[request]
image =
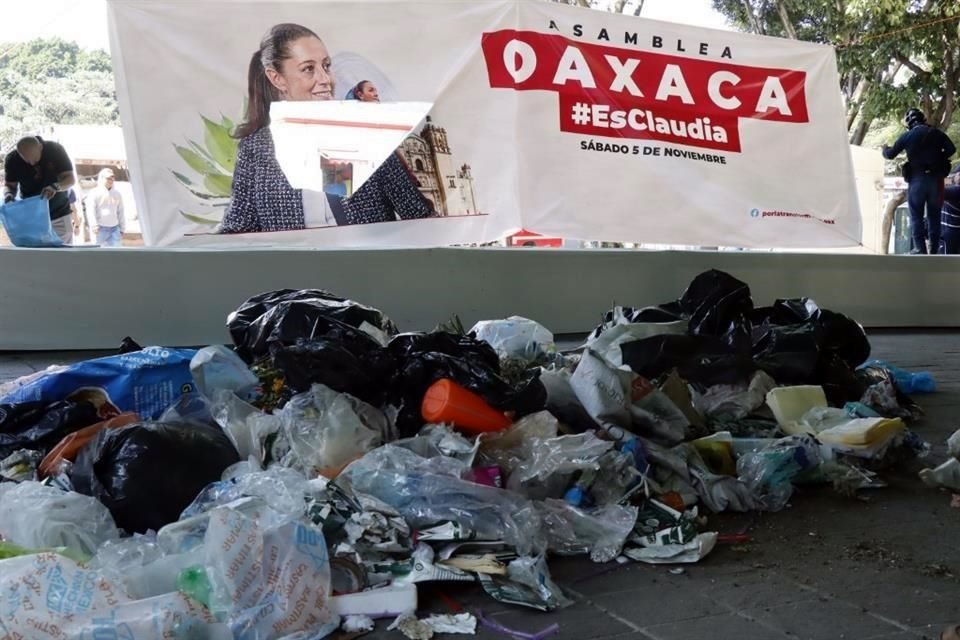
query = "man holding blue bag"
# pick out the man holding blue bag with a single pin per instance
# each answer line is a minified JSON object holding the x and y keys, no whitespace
{"x":40,"y":167}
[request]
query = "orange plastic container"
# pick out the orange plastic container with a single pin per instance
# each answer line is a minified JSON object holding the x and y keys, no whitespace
{"x":449,"y":403}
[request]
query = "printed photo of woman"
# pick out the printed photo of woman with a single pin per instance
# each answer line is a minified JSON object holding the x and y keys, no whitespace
{"x":365,"y":91}
{"x":293,"y":63}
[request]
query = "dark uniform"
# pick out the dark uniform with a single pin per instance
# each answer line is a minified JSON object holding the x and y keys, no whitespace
{"x":928,"y":156}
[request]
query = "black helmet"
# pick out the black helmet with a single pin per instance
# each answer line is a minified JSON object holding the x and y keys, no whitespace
{"x":914,"y":117}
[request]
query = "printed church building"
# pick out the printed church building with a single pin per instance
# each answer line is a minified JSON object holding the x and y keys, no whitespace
{"x":447,"y":186}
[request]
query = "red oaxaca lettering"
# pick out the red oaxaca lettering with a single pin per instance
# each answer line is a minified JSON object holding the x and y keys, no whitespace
{"x":527,"y":60}
{"x":644,"y":94}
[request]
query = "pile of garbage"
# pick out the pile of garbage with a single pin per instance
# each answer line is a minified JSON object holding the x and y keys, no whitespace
{"x":312,"y":475}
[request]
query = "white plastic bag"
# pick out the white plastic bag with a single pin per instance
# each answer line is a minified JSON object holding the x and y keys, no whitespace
{"x":269,"y":574}
{"x":36,"y":516}
{"x":515,"y":337}
{"x":605,"y":392}
{"x":218,"y":367}
{"x":621,"y":330}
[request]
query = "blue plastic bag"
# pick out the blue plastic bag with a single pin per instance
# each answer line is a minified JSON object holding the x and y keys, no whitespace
{"x":146,"y":382}
{"x":907,"y":382}
{"x":27,"y":223}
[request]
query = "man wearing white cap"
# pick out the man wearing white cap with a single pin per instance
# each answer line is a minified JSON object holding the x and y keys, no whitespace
{"x":104,"y":211}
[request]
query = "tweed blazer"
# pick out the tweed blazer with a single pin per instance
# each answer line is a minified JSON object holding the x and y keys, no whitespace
{"x":263,"y":199}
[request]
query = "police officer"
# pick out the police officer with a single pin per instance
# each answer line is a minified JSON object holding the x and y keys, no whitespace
{"x":950,"y":216}
{"x":928,"y":163}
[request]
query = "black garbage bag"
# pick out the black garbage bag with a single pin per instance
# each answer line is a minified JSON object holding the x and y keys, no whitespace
{"x":39,"y":426}
{"x":797,"y":342}
{"x":717,"y":304}
{"x":346,"y":360}
{"x":422,"y":359}
{"x":148,"y":473}
{"x":461,"y":346}
{"x":129,"y":345}
{"x":789,"y":353}
{"x":833,"y":332}
{"x":706,"y":360}
{"x":288,"y":315}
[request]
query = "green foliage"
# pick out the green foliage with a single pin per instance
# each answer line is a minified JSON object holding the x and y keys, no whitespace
{"x":891,"y":54}
{"x":50,"y":81}
{"x":213,"y":163}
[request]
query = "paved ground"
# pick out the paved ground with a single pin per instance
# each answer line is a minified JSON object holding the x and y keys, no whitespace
{"x":884,"y":567}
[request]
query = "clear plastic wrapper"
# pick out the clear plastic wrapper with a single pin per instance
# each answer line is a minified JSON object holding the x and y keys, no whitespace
{"x":683,"y":470}
{"x":538,"y":463}
{"x":285,"y":490}
{"x":247,"y":427}
{"x":426,"y":493}
{"x":40,"y":517}
{"x":770,"y":471}
{"x":528,"y":584}
{"x":439,"y":440}
{"x":140,"y":567}
{"x":734,"y":401}
{"x":326,"y":429}
{"x":515,"y":337}
{"x":601,"y":532}
{"x":549,"y":464}
{"x":50,"y":597}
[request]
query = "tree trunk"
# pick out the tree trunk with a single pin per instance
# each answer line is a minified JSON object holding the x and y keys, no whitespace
{"x":785,"y":19}
{"x":856,"y":100}
{"x":754,"y":23}
{"x":887,"y":221}
{"x":860,"y":132}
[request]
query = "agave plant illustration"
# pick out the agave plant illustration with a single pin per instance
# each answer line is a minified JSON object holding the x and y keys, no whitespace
{"x":213,"y":163}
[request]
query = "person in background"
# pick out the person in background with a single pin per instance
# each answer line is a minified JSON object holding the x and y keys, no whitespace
{"x":950,"y":214}
{"x":928,"y":163}
{"x":76,"y":216}
{"x":104,"y":211}
{"x":39,"y":167}
{"x":365,"y":91}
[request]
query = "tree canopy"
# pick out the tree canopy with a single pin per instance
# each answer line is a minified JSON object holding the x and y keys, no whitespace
{"x":891,"y":54}
{"x":51,"y":81}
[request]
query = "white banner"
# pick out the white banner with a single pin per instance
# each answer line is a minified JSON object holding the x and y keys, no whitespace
{"x":561,"y":121}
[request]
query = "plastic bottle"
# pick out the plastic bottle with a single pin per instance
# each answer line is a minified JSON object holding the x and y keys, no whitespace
{"x":578,"y":495}
{"x":193,"y":582}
